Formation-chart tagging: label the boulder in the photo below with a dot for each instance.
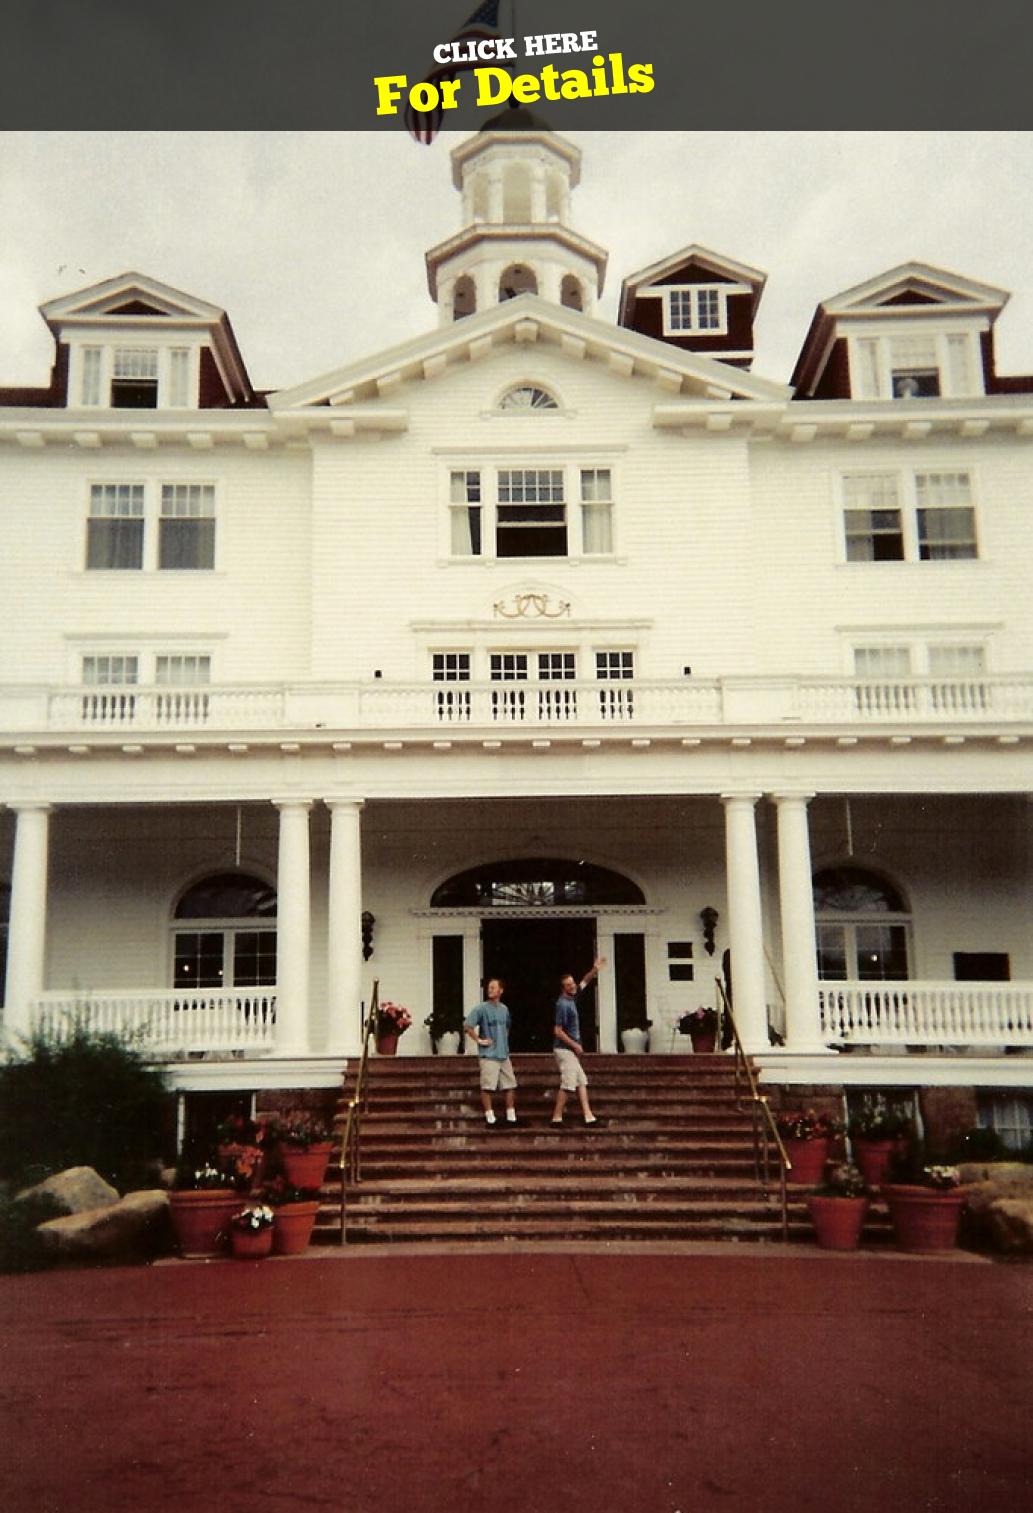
(78, 1190)
(985, 1182)
(132, 1229)
(1011, 1225)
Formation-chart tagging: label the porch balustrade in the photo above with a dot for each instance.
(990, 1014)
(382, 706)
(168, 1024)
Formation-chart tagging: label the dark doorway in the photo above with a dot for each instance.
(982, 966)
(531, 955)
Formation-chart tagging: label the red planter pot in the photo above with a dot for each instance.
(924, 1218)
(808, 1158)
(200, 1220)
(251, 1244)
(387, 1045)
(873, 1158)
(306, 1168)
(293, 1226)
(837, 1221)
(703, 1045)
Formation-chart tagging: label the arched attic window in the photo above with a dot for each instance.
(571, 293)
(231, 938)
(862, 924)
(517, 279)
(464, 297)
(536, 882)
(527, 397)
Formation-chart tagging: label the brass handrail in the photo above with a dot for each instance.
(760, 1111)
(358, 1104)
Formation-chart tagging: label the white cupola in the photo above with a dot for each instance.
(515, 177)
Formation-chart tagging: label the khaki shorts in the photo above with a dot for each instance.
(572, 1073)
(496, 1075)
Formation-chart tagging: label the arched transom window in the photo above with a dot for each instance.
(862, 924)
(528, 397)
(536, 882)
(224, 933)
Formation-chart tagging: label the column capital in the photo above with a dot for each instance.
(292, 803)
(740, 798)
(791, 796)
(343, 801)
(28, 806)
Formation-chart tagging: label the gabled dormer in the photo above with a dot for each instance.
(914, 333)
(132, 343)
(698, 301)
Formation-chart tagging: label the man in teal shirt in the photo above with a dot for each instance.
(488, 1027)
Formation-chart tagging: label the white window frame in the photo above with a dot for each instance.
(906, 485)
(676, 293)
(577, 507)
(153, 494)
(958, 358)
(92, 368)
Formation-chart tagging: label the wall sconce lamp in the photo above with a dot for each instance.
(709, 916)
(367, 934)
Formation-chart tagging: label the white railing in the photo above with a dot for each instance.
(763, 702)
(168, 1023)
(927, 1013)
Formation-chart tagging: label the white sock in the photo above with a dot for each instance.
(489, 1117)
(511, 1116)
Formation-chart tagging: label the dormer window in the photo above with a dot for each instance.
(695, 308)
(922, 365)
(528, 397)
(914, 369)
(134, 378)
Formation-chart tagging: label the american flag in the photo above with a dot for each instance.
(424, 125)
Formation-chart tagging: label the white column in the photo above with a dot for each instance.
(606, 992)
(799, 956)
(293, 928)
(496, 206)
(538, 202)
(745, 929)
(345, 967)
(28, 924)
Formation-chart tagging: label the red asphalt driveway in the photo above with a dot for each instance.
(659, 1380)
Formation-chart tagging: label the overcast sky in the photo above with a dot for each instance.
(313, 242)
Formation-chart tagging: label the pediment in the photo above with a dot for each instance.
(917, 286)
(129, 296)
(526, 321)
(690, 264)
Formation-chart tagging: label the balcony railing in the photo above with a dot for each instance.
(754, 702)
(991, 1014)
(168, 1023)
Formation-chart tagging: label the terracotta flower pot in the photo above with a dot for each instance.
(387, 1044)
(924, 1218)
(703, 1043)
(200, 1220)
(293, 1226)
(808, 1158)
(873, 1158)
(837, 1221)
(306, 1167)
(251, 1244)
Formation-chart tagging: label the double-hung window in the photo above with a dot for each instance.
(503, 512)
(110, 681)
(697, 308)
(145, 526)
(134, 378)
(451, 670)
(614, 671)
(909, 517)
(182, 693)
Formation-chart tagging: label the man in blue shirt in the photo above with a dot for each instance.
(488, 1027)
(568, 1049)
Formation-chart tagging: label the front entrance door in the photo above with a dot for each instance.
(531, 955)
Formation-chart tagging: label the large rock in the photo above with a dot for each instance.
(985, 1182)
(78, 1190)
(1011, 1225)
(132, 1229)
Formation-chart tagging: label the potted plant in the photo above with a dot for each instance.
(446, 1030)
(635, 1035)
(392, 1021)
(294, 1215)
(201, 1203)
(304, 1145)
(240, 1143)
(877, 1130)
(925, 1203)
(807, 1138)
(251, 1232)
(701, 1027)
(839, 1207)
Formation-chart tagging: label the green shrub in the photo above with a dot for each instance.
(81, 1098)
(21, 1248)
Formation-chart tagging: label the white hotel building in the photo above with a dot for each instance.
(533, 638)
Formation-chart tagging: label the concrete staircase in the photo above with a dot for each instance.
(671, 1158)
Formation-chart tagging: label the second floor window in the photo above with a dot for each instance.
(129, 528)
(924, 517)
(530, 512)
